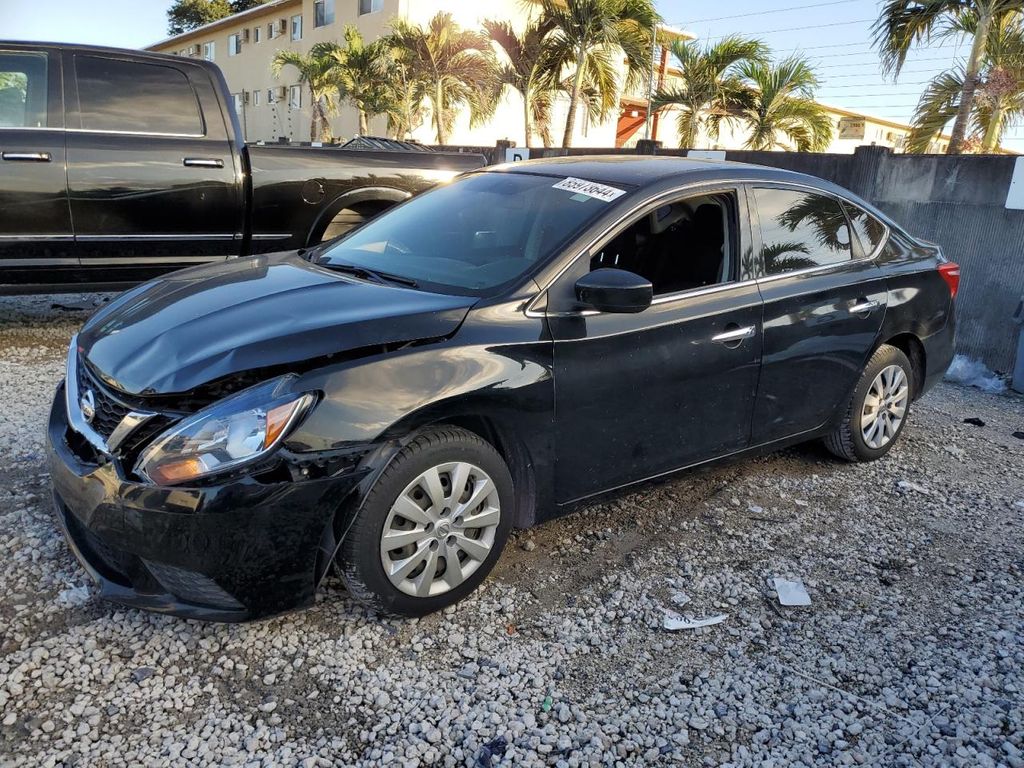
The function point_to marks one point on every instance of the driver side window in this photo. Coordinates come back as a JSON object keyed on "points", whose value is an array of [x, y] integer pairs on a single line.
{"points": [[686, 244]]}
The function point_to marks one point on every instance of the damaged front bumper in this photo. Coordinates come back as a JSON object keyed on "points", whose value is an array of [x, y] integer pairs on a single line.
{"points": [[233, 551]]}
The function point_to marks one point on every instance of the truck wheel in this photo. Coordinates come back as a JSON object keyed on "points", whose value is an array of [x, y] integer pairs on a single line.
{"points": [[878, 410], [348, 219], [432, 526]]}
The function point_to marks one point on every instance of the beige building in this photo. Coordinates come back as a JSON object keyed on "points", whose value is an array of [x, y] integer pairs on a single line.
{"points": [[269, 108], [244, 45]]}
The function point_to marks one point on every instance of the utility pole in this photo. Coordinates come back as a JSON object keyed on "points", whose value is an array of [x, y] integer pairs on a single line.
{"points": [[650, 83]]}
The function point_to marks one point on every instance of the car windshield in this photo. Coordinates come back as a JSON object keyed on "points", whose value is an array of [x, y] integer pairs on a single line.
{"points": [[475, 235]]}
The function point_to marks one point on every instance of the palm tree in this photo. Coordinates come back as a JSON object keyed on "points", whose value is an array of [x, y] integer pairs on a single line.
{"points": [[711, 88], [403, 104], [526, 70], [361, 74], [781, 107], [904, 23], [999, 96], [591, 36], [448, 66], [316, 72]]}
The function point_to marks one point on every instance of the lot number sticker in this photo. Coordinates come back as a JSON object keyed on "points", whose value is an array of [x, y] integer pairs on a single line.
{"points": [[590, 189]]}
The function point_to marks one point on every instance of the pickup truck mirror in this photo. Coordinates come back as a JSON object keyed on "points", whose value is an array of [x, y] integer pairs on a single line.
{"points": [[614, 290]]}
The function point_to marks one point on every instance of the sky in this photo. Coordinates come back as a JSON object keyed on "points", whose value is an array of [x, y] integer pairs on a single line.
{"points": [[834, 34]]}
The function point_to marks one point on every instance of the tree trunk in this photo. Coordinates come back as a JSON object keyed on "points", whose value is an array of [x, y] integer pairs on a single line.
{"points": [[574, 97], [993, 131], [526, 116], [963, 115], [364, 127], [442, 136]]}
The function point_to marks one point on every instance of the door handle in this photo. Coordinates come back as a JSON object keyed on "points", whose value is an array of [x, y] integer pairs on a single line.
{"points": [[863, 306], [735, 335], [202, 162], [26, 157]]}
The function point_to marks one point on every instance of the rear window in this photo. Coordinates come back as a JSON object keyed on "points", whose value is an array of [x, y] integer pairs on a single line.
{"points": [[800, 230], [129, 96], [22, 90]]}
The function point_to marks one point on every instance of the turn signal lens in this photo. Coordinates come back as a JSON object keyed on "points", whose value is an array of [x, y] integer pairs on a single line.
{"points": [[950, 272]]}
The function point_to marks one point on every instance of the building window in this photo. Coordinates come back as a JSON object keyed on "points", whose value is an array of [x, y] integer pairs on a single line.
{"points": [[234, 44], [324, 12], [209, 49], [271, 30], [296, 27], [239, 101], [370, 6], [256, 98], [257, 33], [295, 97]]}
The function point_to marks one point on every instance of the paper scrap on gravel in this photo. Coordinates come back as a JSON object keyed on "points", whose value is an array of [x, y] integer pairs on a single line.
{"points": [[74, 596], [674, 621], [792, 592]]}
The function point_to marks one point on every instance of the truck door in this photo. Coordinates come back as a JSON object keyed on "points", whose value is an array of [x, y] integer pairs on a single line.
{"points": [[35, 225], [151, 172]]}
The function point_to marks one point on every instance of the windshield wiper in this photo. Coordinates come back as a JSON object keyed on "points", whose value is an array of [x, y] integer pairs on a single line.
{"points": [[370, 274]]}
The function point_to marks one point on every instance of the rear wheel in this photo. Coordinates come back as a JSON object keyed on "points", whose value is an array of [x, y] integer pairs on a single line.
{"points": [[878, 410], [432, 526], [348, 219]]}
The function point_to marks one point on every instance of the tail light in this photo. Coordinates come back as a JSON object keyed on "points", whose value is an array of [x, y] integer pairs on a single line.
{"points": [[950, 272]]}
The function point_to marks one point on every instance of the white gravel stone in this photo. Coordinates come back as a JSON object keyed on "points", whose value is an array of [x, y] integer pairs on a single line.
{"points": [[911, 653]]}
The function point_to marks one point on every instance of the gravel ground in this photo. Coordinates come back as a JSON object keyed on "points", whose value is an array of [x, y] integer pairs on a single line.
{"points": [[910, 654]]}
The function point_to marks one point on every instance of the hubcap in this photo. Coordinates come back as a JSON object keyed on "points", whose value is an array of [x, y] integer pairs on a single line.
{"points": [[885, 405], [440, 529]]}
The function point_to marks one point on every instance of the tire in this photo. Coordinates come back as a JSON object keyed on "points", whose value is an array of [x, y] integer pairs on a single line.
{"points": [[859, 437], [437, 530]]}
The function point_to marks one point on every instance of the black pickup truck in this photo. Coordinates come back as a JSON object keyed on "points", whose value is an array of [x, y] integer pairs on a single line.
{"points": [[119, 165]]}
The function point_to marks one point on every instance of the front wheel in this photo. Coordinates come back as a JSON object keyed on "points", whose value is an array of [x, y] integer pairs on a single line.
{"points": [[878, 410], [432, 526]]}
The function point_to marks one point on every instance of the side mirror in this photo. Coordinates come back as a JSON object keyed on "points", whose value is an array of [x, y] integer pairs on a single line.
{"points": [[614, 290]]}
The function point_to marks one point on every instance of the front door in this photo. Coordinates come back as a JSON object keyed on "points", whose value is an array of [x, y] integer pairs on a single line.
{"points": [[637, 395], [35, 225], [824, 300], [151, 174]]}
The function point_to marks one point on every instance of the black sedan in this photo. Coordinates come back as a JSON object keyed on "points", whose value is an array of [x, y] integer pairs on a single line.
{"points": [[486, 355]]}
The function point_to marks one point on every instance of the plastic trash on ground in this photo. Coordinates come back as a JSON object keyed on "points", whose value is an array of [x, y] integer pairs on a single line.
{"points": [[74, 595], [674, 621], [974, 373], [791, 592]]}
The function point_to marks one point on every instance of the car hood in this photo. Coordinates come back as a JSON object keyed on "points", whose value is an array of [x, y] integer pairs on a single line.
{"points": [[178, 333]]}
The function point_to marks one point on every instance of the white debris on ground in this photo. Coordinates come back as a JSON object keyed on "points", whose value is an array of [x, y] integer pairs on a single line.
{"points": [[911, 655], [974, 373], [791, 593]]}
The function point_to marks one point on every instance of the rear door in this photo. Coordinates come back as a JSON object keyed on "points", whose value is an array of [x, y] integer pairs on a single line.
{"points": [[151, 174], [824, 300], [35, 225]]}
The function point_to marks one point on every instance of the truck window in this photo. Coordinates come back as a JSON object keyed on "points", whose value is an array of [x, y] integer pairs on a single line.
{"points": [[132, 97], [22, 90]]}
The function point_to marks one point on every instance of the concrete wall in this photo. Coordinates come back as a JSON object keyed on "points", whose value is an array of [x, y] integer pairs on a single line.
{"points": [[958, 202]]}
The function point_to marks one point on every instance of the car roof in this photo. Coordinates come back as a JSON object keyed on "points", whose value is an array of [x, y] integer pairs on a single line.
{"points": [[650, 170], [13, 45]]}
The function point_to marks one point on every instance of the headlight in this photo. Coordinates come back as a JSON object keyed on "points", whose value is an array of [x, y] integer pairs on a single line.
{"points": [[236, 430]]}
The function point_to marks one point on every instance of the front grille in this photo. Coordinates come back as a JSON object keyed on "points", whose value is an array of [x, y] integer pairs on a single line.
{"points": [[191, 587], [109, 411]]}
